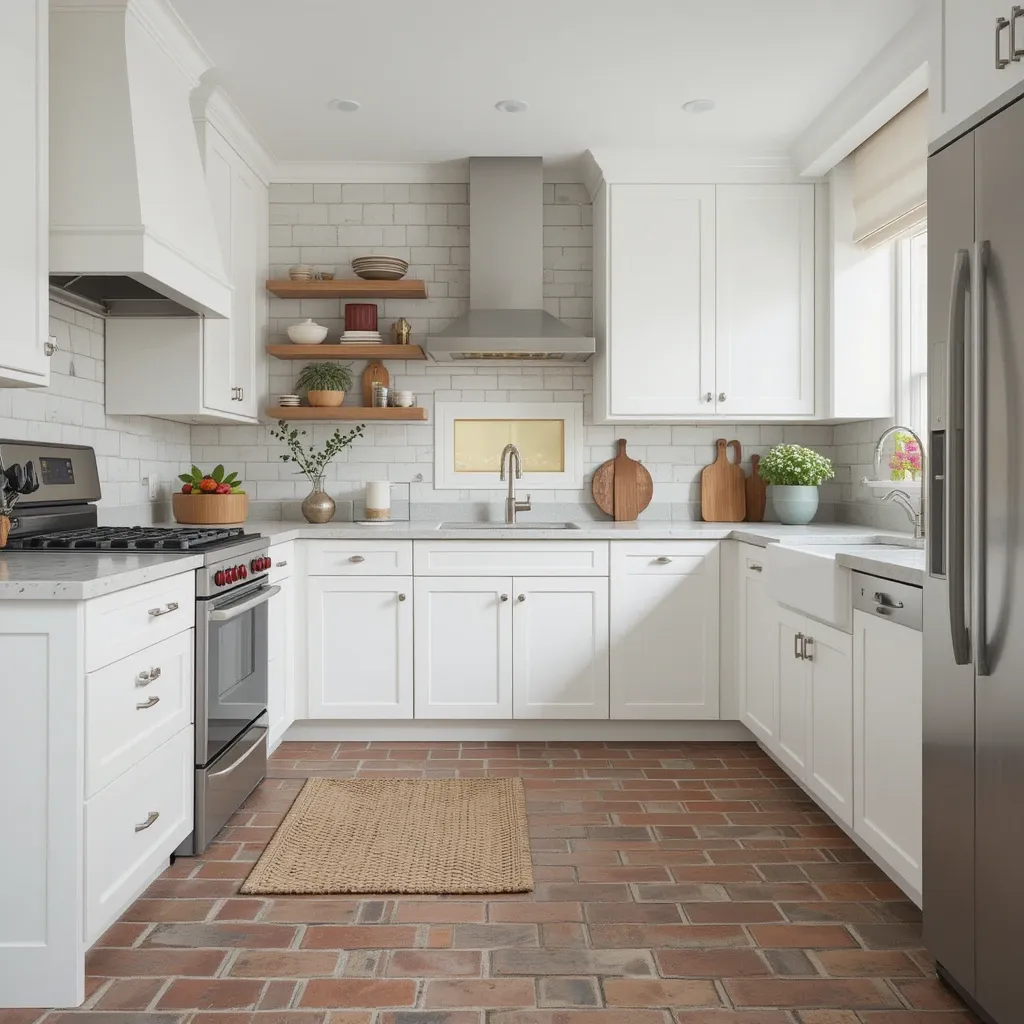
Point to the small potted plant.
(794, 474)
(905, 462)
(325, 384)
(210, 499)
(318, 506)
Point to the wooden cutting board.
(723, 497)
(375, 373)
(757, 492)
(622, 487)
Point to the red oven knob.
(266, 562)
(232, 575)
(242, 572)
(218, 578)
(256, 565)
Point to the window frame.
(911, 382)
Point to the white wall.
(71, 411)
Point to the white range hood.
(506, 318)
(130, 219)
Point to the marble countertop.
(80, 575)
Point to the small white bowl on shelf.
(306, 333)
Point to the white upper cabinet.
(656, 321)
(977, 55)
(24, 181)
(664, 630)
(704, 301)
(764, 311)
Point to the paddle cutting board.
(622, 487)
(723, 497)
(375, 373)
(757, 492)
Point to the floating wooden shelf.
(345, 412)
(348, 288)
(327, 351)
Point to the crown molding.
(890, 81)
(394, 172)
(212, 104)
(174, 37)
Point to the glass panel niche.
(478, 444)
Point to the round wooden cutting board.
(622, 487)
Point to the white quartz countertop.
(79, 575)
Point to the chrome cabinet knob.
(708, 397)
(357, 558)
(504, 597)
(51, 346)
(521, 598)
(721, 396)
(401, 597)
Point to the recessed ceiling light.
(345, 106)
(701, 106)
(511, 106)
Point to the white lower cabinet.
(463, 645)
(757, 672)
(359, 634)
(887, 698)
(560, 647)
(664, 630)
(794, 691)
(280, 659)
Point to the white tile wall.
(70, 410)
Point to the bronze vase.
(318, 506)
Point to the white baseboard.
(518, 731)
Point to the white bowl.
(307, 333)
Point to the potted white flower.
(794, 474)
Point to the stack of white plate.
(288, 401)
(361, 338)
(380, 268)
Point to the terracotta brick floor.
(675, 884)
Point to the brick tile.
(211, 994)
(775, 891)
(642, 913)
(889, 936)
(133, 963)
(624, 962)
(122, 933)
(494, 936)
(616, 1016)
(866, 963)
(563, 935)
(484, 992)
(694, 892)
(709, 963)
(277, 995)
(349, 992)
(917, 1017)
(423, 963)
(439, 936)
(116, 1018)
(303, 911)
(371, 936)
(168, 910)
(568, 992)
(731, 913)
(846, 913)
(803, 936)
(624, 873)
(243, 934)
(129, 994)
(537, 913)
(439, 913)
(715, 873)
(829, 1017)
(278, 964)
(790, 962)
(667, 936)
(658, 992)
(429, 1017)
(927, 994)
(862, 993)
(592, 892)
(732, 1017)
(239, 910)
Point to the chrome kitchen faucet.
(510, 454)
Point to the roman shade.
(890, 177)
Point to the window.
(912, 330)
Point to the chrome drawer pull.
(808, 641)
(150, 820)
(357, 558)
(756, 568)
(663, 560)
(280, 565)
(152, 702)
(1001, 61)
(885, 601)
(797, 637)
(171, 606)
(144, 678)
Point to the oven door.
(231, 667)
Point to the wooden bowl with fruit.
(210, 499)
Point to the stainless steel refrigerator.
(973, 857)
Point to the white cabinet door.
(218, 334)
(964, 75)
(359, 632)
(659, 353)
(664, 630)
(887, 681)
(764, 353)
(280, 667)
(463, 647)
(830, 763)
(794, 691)
(24, 181)
(560, 648)
(758, 666)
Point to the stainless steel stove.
(54, 489)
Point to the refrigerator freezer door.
(999, 481)
(948, 714)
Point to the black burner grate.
(130, 538)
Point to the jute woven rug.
(399, 836)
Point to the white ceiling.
(596, 73)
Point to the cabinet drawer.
(510, 558)
(359, 558)
(130, 620)
(660, 558)
(282, 561)
(133, 826)
(135, 705)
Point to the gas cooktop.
(131, 538)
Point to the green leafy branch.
(310, 462)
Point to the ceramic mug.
(403, 399)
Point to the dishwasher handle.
(889, 599)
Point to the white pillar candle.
(378, 499)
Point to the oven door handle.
(232, 611)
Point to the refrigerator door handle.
(979, 483)
(955, 400)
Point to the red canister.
(360, 316)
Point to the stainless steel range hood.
(506, 318)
